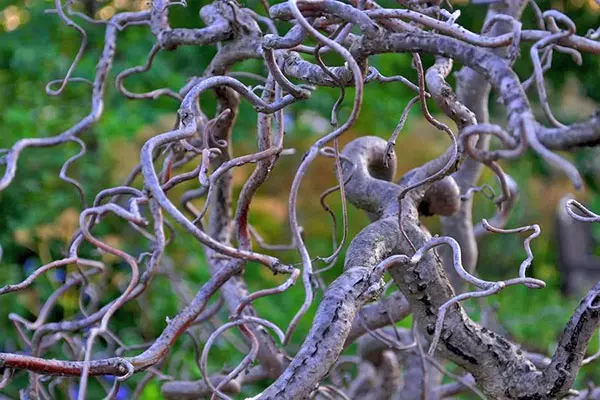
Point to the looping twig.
(585, 216)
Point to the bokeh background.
(39, 212)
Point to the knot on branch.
(371, 167)
(442, 198)
(369, 155)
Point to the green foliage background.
(39, 211)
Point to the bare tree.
(430, 287)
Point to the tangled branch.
(199, 148)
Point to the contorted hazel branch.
(197, 154)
